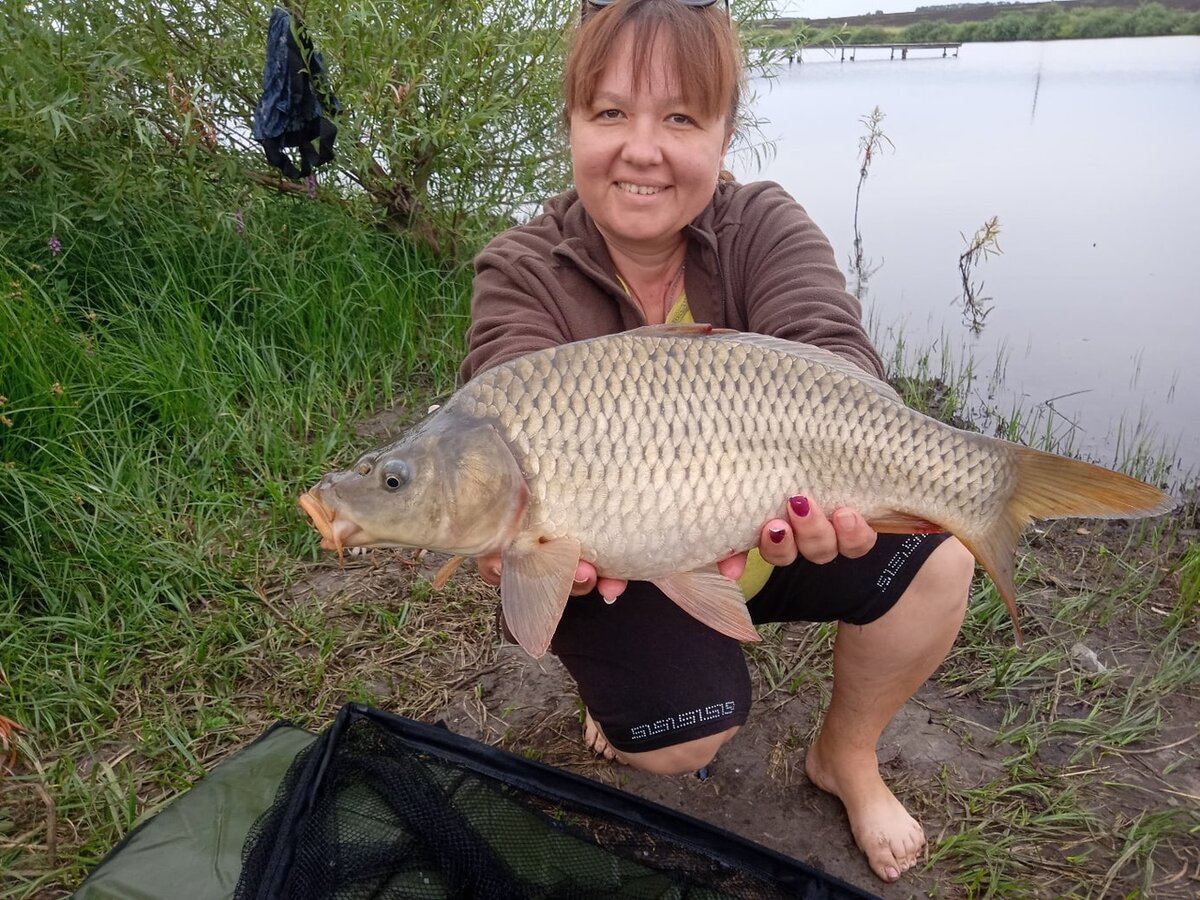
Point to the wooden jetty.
(904, 48)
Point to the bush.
(1103, 23)
(940, 30)
(1151, 19)
(451, 119)
(870, 34)
(1188, 23)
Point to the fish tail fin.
(1054, 487)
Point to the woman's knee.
(679, 759)
(945, 578)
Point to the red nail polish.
(776, 535)
(799, 506)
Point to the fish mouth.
(336, 534)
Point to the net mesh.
(365, 813)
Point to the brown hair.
(707, 57)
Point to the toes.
(911, 845)
(895, 843)
(594, 739)
(883, 861)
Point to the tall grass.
(168, 386)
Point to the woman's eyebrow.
(608, 97)
(618, 99)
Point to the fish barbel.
(656, 452)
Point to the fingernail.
(776, 535)
(609, 600)
(799, 506)
(844, 517)
(892, 873)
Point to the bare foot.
(891, 839)
(594, 739)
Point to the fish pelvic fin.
(996, 550)
(535, 584)
(711, 598)
(893, 521)
(1049, 486)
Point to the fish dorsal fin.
(535, 584)
(679, 329)
(818, 355)
(710, 597)
(809, 352)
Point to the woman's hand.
(586, 579)
(808, 532)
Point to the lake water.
(1089, 154)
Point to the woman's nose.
(643, 145)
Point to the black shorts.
(652, 676)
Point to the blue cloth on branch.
(296, 100)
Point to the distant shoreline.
(971, 12)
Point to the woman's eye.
(680, 119)
(396, 474)
(609, 114)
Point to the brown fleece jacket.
(755, 262)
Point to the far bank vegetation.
(1051, 22)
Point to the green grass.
(1086, 805)
(169, 384)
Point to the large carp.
(656, 452)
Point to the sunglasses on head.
(600, 4)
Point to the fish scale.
(656, 452)
(716, 489)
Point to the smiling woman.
(651, 101)
(645, 158)
(655, 231)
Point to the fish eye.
(396, 474)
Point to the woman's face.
(645, 162)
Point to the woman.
(654, 232)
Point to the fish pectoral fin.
(535, 584)
(448, 568)
(892, 521)
(710, 597)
